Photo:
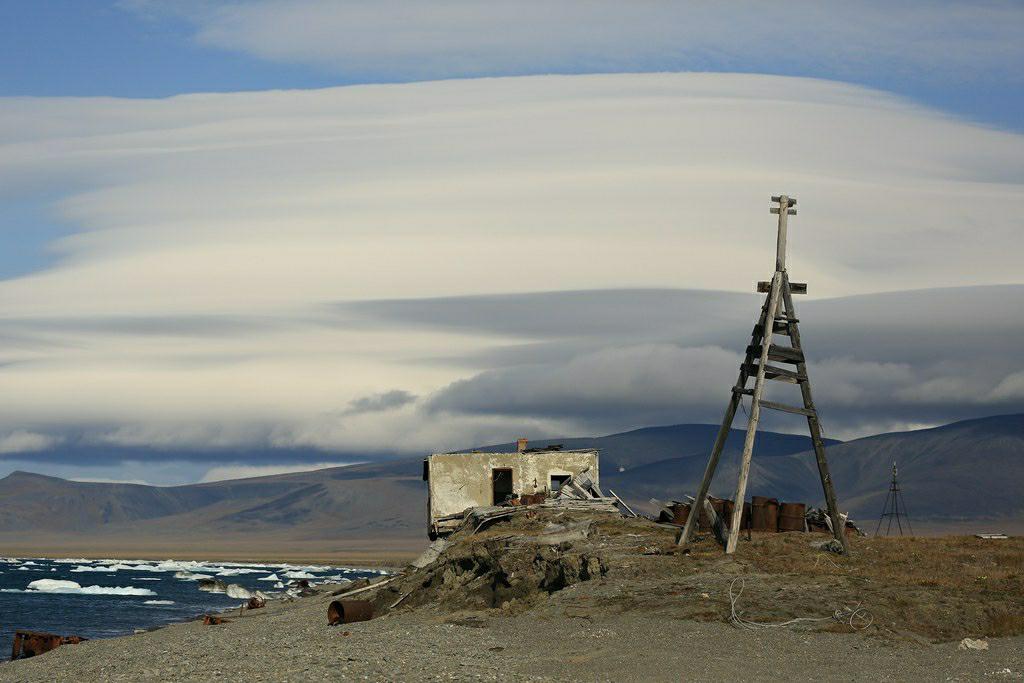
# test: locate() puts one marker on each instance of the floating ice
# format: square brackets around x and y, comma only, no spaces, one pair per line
[298,575]
[61,586]
[271,577]
[86,568]
[189,576]
[237,592]
[158,602]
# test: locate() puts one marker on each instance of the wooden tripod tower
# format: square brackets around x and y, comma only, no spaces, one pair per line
[778,317]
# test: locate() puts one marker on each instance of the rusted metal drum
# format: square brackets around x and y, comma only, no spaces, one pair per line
[680,513]
[791,516]
[764,514]
[347,611]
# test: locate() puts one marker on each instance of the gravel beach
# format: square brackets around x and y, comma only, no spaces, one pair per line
[561,641]
[619,603]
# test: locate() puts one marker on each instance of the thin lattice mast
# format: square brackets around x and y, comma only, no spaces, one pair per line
[895,508]
[778,317]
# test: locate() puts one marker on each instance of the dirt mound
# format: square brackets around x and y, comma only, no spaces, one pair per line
[511,565]
[938,589]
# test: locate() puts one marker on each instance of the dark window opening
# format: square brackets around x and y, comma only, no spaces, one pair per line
[557,481]
[501,485]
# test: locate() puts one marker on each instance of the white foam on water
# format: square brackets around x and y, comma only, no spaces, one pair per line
[72,587]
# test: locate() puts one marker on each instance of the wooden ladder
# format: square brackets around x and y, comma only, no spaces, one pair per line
[778,318]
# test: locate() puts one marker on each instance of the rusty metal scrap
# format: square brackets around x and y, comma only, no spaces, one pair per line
[214,620]
[32,643]
[791,517]
[348,611]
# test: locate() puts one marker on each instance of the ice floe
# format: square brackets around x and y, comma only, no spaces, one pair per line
[61,586]
[158,602]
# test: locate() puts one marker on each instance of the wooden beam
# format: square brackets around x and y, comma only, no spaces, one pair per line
[772,405]
[838,524]
[755,413]
[723,431]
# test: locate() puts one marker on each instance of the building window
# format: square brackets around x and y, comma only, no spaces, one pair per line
[557,481]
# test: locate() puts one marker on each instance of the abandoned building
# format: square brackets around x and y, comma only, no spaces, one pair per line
[458,481]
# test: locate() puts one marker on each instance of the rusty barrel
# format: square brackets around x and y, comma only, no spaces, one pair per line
[791,516]
[347,611]
[764,514]
[680,513]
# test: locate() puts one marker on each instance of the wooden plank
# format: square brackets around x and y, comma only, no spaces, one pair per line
[755,416]
[622,502]
[780,354]
[764,286]
[772,405]
[779,327]
[838,525]
[772,372]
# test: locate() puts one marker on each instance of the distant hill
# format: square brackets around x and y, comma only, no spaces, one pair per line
[971,470]
[653,444]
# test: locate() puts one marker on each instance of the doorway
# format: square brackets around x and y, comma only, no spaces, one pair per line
[501,484]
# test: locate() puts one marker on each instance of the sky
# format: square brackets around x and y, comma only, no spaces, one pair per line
[242,238]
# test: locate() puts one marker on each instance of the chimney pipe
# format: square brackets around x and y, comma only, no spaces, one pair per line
[521,445]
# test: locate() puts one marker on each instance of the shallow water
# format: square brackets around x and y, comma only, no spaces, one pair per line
[115,597]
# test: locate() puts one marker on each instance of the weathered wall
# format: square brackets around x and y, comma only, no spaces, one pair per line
[462,480]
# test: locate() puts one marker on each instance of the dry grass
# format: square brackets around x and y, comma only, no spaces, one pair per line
[942,588]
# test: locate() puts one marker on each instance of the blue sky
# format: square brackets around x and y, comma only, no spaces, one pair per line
[204,243]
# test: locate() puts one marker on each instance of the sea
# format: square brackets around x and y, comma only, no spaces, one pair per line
[107,598]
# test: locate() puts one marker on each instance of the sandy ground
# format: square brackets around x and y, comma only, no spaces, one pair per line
[593,598]
[558,641]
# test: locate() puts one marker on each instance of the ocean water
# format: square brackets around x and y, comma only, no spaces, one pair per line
[106,598]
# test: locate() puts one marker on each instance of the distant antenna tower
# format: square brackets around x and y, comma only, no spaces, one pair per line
[892,509]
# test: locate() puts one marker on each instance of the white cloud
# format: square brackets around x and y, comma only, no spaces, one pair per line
[410,39]
[196,300]
[21,441]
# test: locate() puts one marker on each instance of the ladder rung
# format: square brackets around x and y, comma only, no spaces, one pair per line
[781,326]
[772,372]
[771,405]
[765,286]
[783,354]
[745,392]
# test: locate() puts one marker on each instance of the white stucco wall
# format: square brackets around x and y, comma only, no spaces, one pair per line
[462,480]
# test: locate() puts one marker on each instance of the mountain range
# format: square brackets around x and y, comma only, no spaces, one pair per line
[965,472]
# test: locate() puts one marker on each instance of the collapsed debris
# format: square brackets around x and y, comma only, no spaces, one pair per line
[32,643]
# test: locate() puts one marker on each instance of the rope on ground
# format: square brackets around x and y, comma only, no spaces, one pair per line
[856,617]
